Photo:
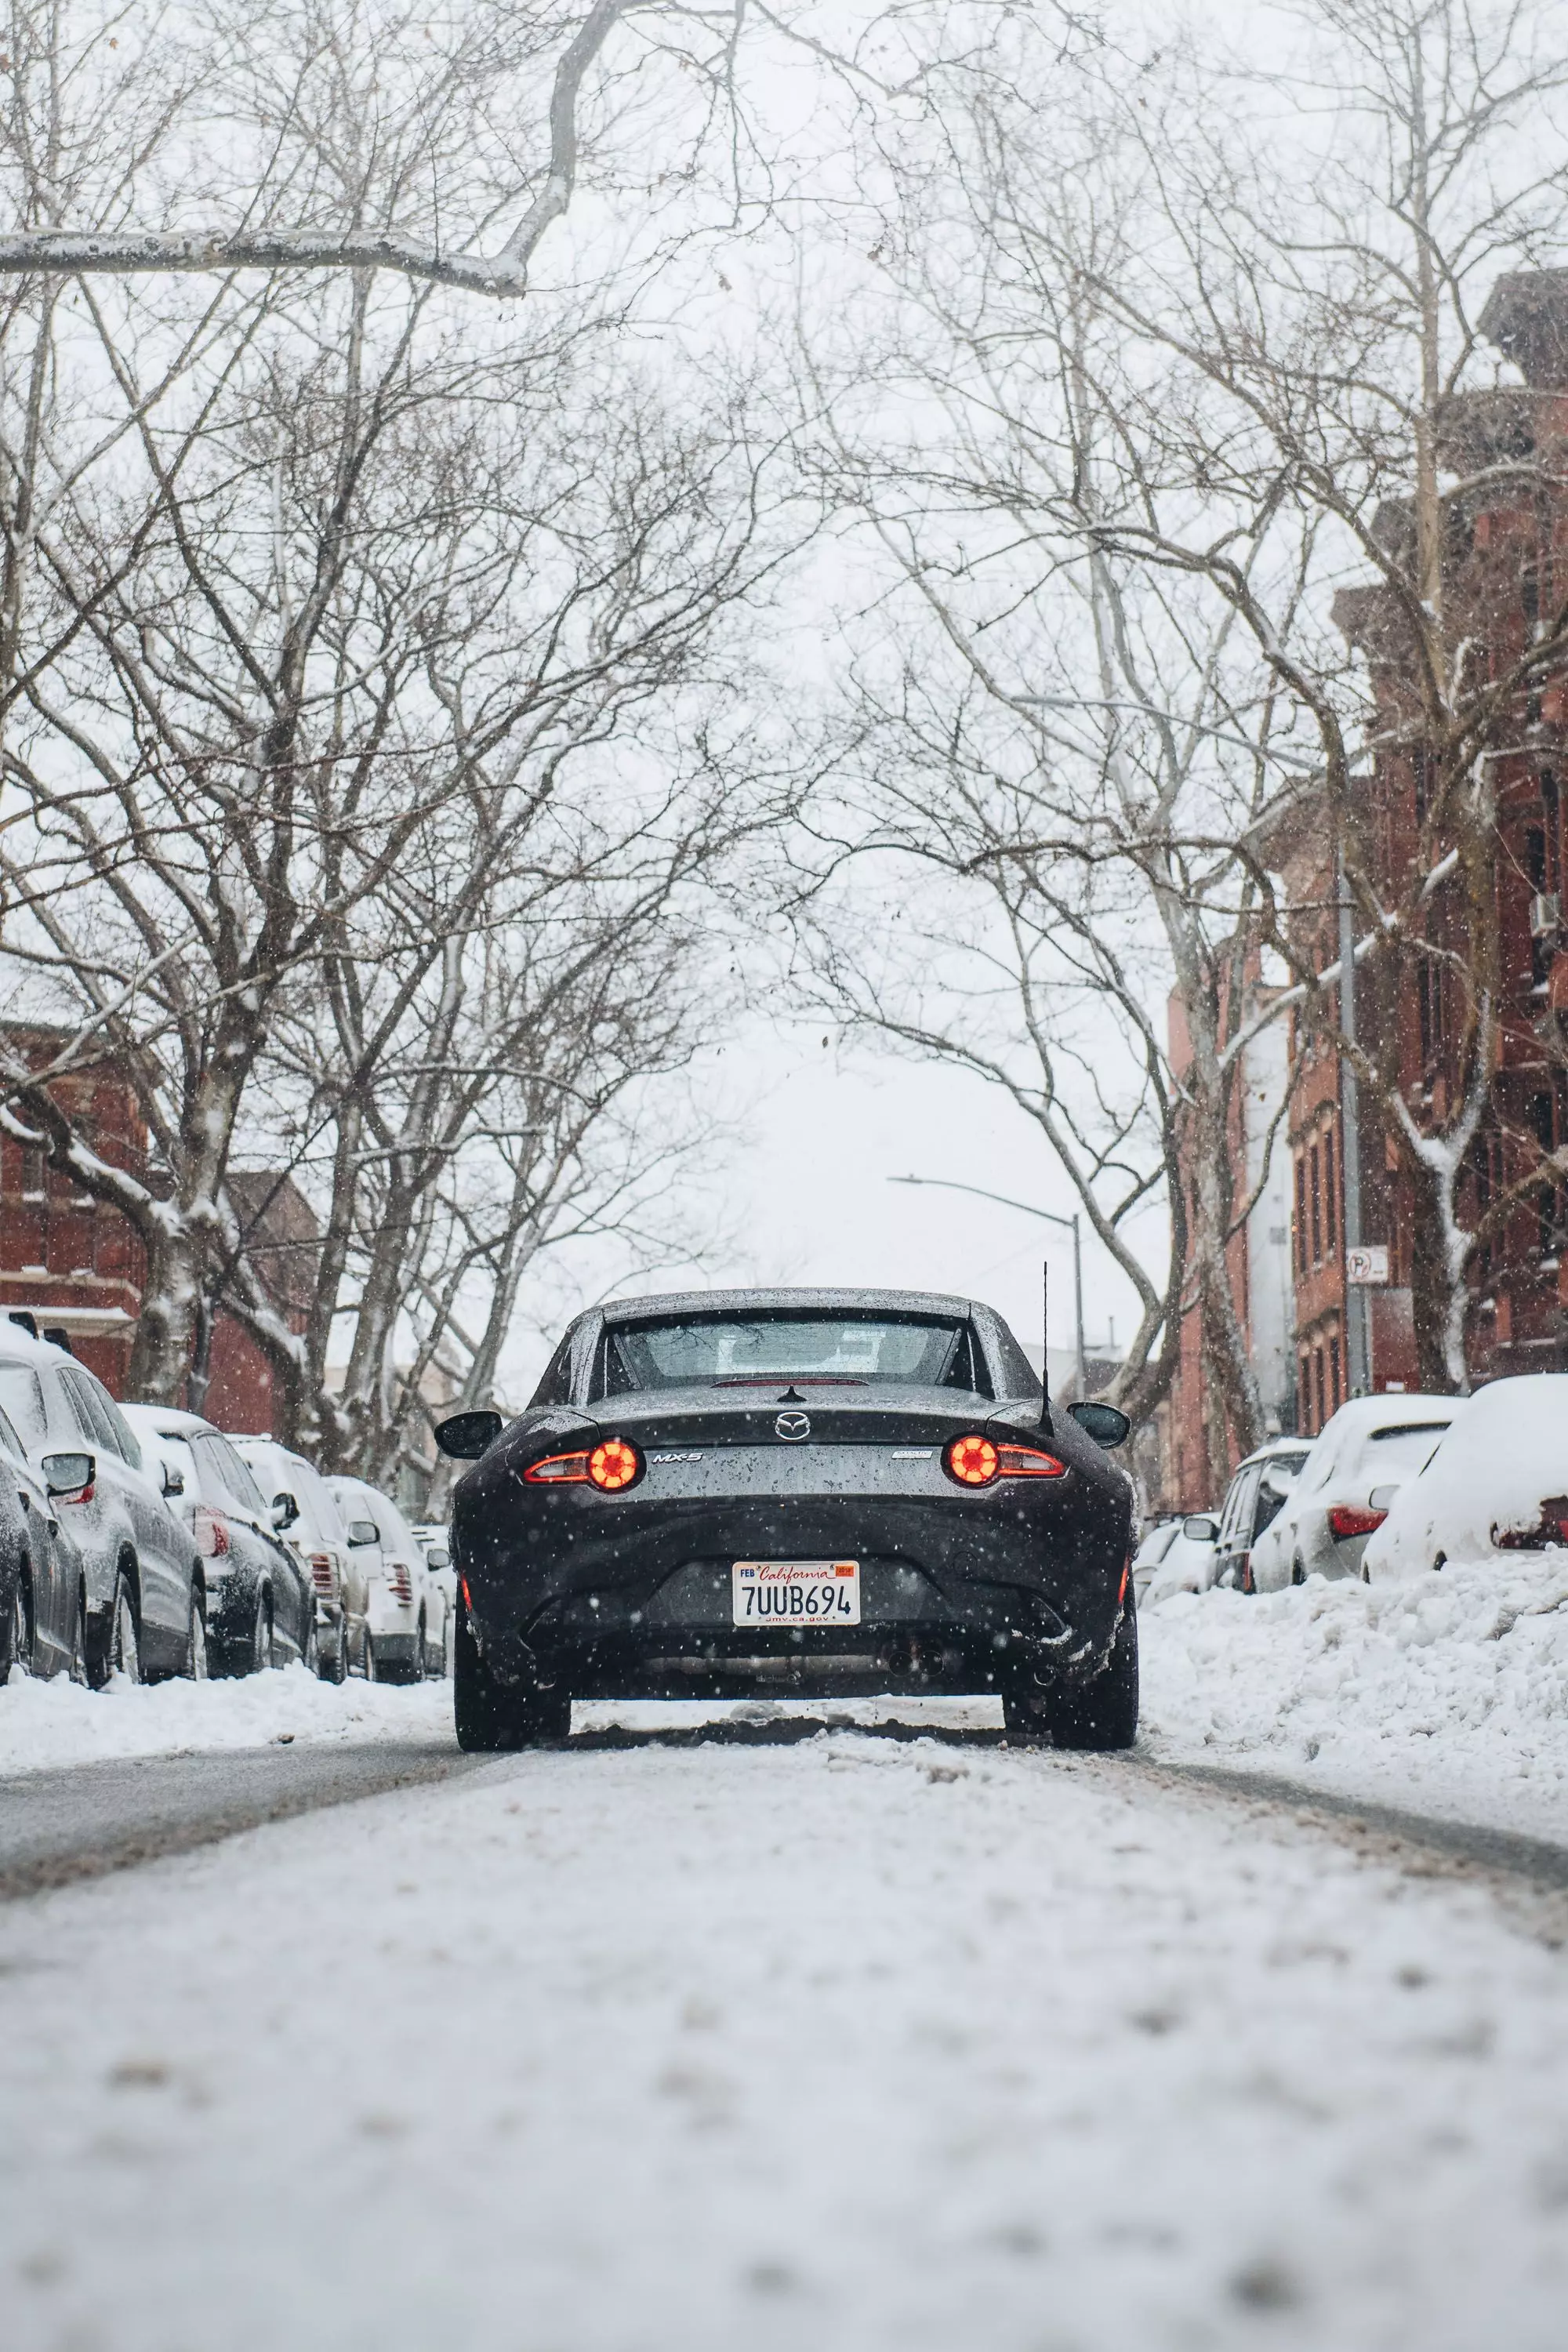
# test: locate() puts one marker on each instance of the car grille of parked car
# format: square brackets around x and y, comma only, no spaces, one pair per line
[402,1583]
[324,1575]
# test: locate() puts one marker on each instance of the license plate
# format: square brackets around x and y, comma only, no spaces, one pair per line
[796,1591]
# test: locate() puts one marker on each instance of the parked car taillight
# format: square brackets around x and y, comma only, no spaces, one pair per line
[1551,1528]
[211,1531]
[324,1574]
[1346,1520]
[403,1582]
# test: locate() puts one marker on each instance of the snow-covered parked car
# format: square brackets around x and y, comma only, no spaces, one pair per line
[307,1516]
[1497,1484]
[141,1576]
[400,1642]
[261,1604]
[1257,1495]
[42,1586]
[436,1543]
[1370,1446]
[1186,1560]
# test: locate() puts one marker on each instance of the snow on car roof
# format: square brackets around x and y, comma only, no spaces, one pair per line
[820,1302]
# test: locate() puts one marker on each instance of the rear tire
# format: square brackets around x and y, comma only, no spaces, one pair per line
[263,1653]
[1100,1716]
[334,1666]
[197,1664]
[123,1655]
[491,1714]
[371,1674]
[19,1632]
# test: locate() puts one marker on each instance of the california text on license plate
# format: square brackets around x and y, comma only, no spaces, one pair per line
[796,1591]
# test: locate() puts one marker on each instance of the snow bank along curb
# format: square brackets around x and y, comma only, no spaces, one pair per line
[1450,1687]
[48,1723]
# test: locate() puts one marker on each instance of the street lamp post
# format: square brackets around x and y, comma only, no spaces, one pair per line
[1069,1224]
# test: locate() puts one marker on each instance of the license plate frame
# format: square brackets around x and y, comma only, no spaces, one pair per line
[828,1595]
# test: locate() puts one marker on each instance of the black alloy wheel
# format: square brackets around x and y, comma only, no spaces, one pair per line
[310,1654]
[491,1714]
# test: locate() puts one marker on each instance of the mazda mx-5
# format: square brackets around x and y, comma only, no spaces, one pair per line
[792,1493]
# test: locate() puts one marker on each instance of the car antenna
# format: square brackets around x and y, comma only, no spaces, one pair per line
[1046,1421]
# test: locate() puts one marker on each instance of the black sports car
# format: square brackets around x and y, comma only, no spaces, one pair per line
[799,1491]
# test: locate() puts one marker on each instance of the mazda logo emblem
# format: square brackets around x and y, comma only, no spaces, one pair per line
[792,1424]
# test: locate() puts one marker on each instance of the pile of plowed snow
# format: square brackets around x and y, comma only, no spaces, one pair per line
[44,1724]
[1449,1688]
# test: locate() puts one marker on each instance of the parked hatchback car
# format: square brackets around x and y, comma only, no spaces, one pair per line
[306,1514]
[399,1646]
[260,1601]
[1254,1500]
[141,1574]
[42,1580]
[1495,1485]
[1369,1446]
[436,1546]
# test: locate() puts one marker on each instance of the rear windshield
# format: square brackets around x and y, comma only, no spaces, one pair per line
[824,1350]
[1405,1447]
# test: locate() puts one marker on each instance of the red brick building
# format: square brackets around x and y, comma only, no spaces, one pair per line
[1507,568]
[76,1265]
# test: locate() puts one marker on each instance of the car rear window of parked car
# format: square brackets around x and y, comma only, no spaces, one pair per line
[21,1393]
[710,1351]
[10,1437]
[1406,1446]
[220,1465]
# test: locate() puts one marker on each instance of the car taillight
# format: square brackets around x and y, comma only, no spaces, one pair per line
[1346,1520]
[613,1465]
[972,1461]
[402,1583]
[975,1461]
[323,1574]
[211,1531]
[1027,1462]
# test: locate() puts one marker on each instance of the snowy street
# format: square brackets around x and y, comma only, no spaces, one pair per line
[842,2039]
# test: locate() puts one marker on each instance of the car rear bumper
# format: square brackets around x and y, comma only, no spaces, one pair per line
[955,1597]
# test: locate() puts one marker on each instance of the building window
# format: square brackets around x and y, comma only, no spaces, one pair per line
[1304,1395]
[1315,1181]
[1422,785]
[1333,1376]
[1330,1211]
[35,1184]
[1300,1212]
[1550,804]
[1429,999]
[1320,1385]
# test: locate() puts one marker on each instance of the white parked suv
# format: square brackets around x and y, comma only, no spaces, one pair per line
[402,1642]
[1367,1448]
[317,1533]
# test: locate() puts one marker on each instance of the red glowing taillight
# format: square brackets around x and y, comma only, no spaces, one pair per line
[402,1583]
[1346,1520]
[613,1465]
[324,1574]
[972,1461]
[211,1530]
[976,1461]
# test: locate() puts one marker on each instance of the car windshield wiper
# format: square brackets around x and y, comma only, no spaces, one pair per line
[789,1380]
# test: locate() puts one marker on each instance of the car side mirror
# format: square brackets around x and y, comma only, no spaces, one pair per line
[1201,1528]
[1106,1423]
[170,1482]
[69,1476]
[363,1532]
[1382,1497]
[285,1511]
[437,1557]
[466,1435]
